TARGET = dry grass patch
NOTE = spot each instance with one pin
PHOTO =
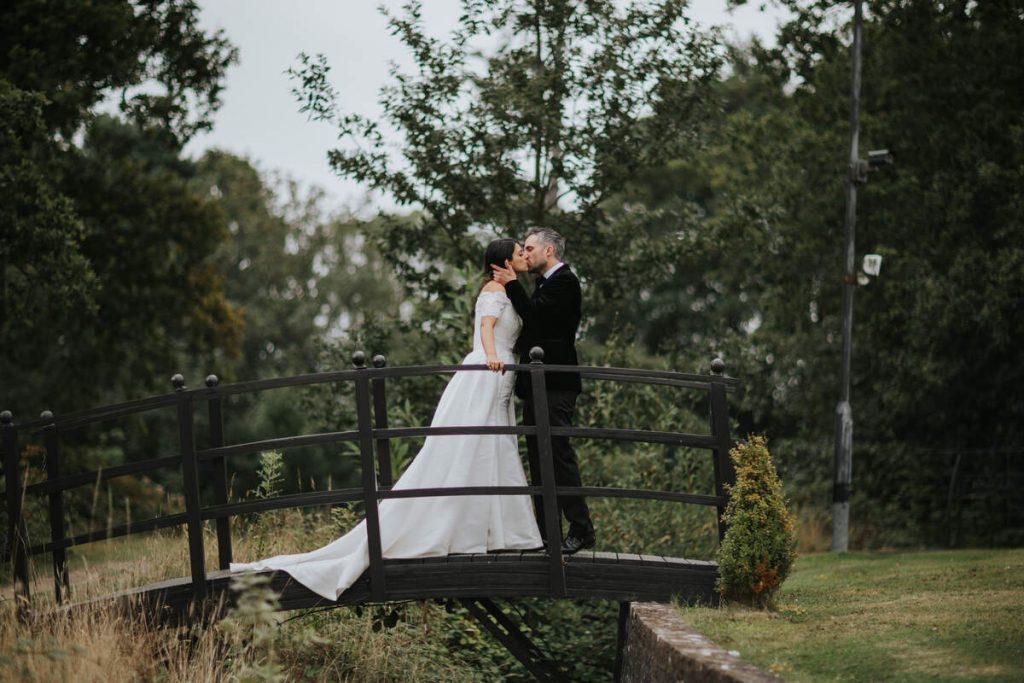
(255, 643)
(101, 645)
(107, 567)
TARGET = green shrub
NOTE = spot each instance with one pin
(760, 540)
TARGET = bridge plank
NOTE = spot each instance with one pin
(582, 556)
(589, 575)
(483, 557)
(684, 561)
(629, 558)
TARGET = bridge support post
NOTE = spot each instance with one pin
(15, 524)
(620, 641)
(378, 590)
(190, 486)
(505, 631)
(725, 473)
(61, 580)
(215, 409)
(380, 421)
(552, 513)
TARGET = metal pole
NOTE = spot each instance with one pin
(378, 589)
(844, 413)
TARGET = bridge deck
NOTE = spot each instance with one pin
(588, 575)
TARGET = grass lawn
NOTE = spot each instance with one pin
(910, 616)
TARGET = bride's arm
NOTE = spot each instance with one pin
(487, 338)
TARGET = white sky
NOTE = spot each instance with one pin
(259, 118)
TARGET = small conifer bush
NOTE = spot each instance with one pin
(760, 540)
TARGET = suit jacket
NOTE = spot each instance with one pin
(551, 317)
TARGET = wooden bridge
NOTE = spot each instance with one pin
(474, 579)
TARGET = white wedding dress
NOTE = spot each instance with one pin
(424, 527)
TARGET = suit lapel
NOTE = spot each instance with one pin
(558, 273)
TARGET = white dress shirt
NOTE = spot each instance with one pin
(551, 271)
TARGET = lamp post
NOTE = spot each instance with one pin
(844, 413)
(857, 174)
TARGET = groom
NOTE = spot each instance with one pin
(551, 317)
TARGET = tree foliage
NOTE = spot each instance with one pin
(107, 271)
(295, 272)
(43, 269)
(934, 364)
(150, 54)
(577, 98)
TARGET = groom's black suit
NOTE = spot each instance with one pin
(551, 317)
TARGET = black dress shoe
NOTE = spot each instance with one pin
(573, 544)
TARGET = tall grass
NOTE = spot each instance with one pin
(255, 642)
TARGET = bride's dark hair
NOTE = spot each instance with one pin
(498, 251)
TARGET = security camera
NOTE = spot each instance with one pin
(878, 158)
(860, 168)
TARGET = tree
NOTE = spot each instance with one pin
(106, 272)
(935, 361)
(543, 131)
(295, 273)
(43, 269)
(151, 54)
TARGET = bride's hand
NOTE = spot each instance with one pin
(503, 276)
(496, 364)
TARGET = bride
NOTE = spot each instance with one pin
(423, 527)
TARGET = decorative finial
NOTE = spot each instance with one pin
(46, 414)
(379, 361)
(536, 355)
(717, 366)
(212, 381)
(359, 360)
(6, 417)
(178, 381)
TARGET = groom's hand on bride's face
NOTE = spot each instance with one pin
(503, 276)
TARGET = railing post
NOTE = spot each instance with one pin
(61, 580)
(190, 484)
(380, 421)
(215, 408)
(378, 590)
(552, 514)
(725, 473)
(16, 534)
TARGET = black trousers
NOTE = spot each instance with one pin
(561, 406)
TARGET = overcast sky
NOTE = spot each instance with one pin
(259, 117)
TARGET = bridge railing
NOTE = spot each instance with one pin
(372, 436)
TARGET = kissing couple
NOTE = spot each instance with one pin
(506, 319)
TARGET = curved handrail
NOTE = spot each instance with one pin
(94, 476)
(79, 418)
(372, 433)
(277, 443)
(162, 522)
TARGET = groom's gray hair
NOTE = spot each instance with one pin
(549, 236)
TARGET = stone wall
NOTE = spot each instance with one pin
(661, 647)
